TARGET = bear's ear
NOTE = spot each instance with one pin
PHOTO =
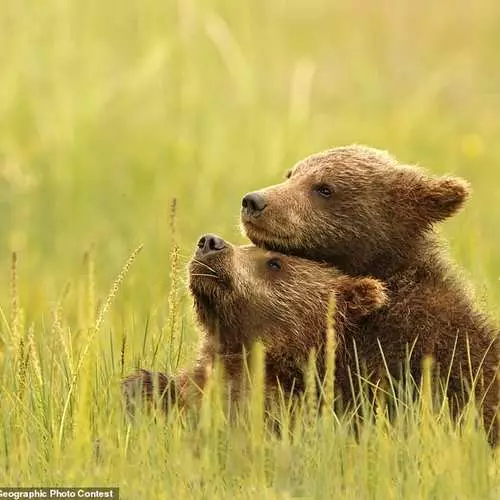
(361, 296)
(443, 196)
(432, 199)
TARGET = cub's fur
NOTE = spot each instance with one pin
(244, 294)
(362, 211)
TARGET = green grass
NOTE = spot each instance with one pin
(108, 111)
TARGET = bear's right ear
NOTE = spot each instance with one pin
(361, 296)
(434, 198)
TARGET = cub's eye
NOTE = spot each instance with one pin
(323, 190)
(288, 174)
(274, 264)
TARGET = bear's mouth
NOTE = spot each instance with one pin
(274, 241)
(250, 221)
(210, 288)
(255, 231)
(199, 269)
(207, 279)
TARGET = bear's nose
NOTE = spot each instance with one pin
(210, 243)
(253, 203)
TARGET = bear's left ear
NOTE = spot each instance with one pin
(441, 197)
(429, 199)
(361, 296)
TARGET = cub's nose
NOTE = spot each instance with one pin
(210, 243)
(253, 203)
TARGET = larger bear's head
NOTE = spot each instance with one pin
(351, 206)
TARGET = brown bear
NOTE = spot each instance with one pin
(243, 294)
(360, 210)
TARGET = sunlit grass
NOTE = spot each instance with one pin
(109, 111)
(64, 423)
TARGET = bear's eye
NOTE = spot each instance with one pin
(323, 190)
(288, 174)
(274, 264)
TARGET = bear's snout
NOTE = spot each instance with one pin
(253, 204)
(210, 243)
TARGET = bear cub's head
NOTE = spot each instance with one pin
(351, 206)
(242, 293)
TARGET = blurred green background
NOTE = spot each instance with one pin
(110, 109)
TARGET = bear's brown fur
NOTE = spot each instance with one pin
(243, 294)
(357, 208)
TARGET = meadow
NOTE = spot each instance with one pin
(110, 111)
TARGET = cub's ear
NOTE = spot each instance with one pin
(430, 199)
(361, 296)
(444, 196)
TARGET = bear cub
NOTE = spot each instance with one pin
(244, 293)
(359, 209)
